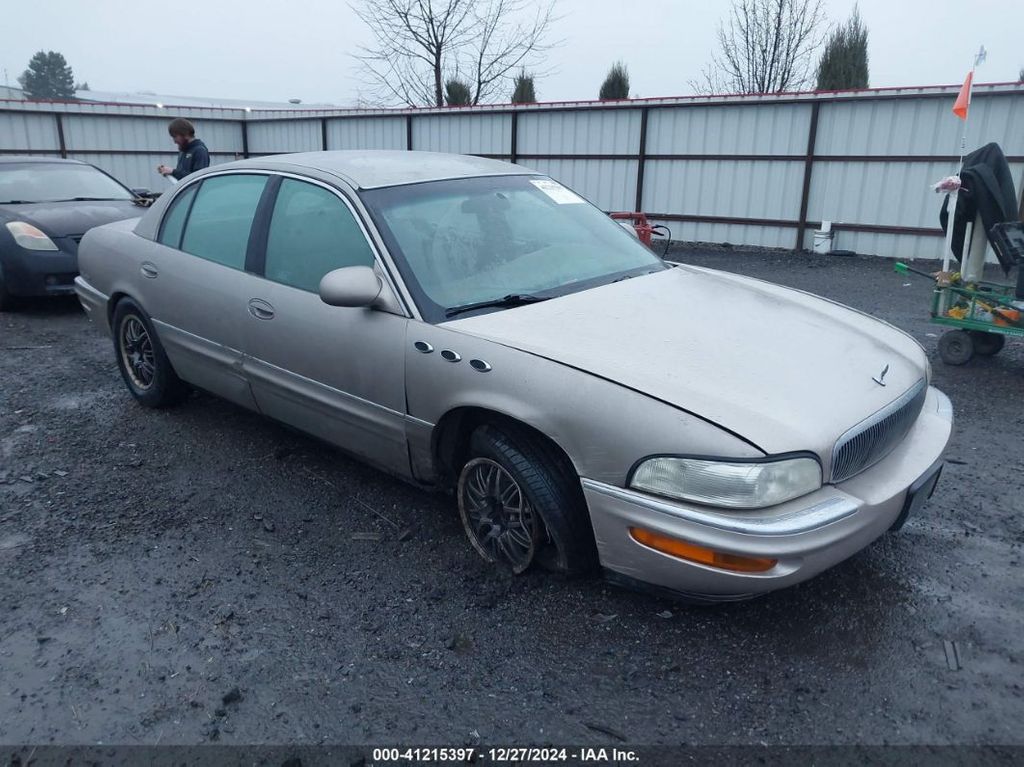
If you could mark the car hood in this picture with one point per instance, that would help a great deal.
(60, 219)
(783, 369)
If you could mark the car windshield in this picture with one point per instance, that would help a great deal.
(509, 240)
(54, 181)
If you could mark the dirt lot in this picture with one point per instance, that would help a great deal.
(202, 574)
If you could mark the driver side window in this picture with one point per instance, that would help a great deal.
(312, 232)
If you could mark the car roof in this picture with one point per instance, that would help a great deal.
(23, 158)
(373, 168)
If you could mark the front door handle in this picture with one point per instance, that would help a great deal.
(148, 270)
(260, 309)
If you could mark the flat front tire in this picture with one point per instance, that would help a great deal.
(521, 503)
(141, 358)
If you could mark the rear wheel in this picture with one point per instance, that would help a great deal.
(521, 504)
(956, 347)
(141, 358)
(987, 344)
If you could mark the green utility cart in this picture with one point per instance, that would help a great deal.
(982, 314)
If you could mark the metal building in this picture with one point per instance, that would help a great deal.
(756, 170)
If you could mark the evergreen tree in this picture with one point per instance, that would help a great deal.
(844, 64)
(48, 77)
(457, 93)
(524, 92)
(616, 84)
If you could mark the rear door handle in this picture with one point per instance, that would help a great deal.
(148, 270)
(260, 309)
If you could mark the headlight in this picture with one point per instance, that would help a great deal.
(30, 237)
(726, 483)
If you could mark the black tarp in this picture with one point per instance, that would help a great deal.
(986, 190)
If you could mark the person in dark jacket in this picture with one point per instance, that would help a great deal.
(192, 152)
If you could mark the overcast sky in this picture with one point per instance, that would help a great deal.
(274, 51)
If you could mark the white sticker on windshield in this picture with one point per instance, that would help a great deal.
(556, 191)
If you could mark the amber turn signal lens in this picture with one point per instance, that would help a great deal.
(694, 553)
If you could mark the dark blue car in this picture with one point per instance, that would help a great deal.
(46, 205)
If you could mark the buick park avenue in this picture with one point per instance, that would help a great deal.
(475, 327)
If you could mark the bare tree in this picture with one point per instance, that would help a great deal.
(765, 46)
(418, 45)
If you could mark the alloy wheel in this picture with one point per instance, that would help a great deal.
(499, 520)
(137, 352)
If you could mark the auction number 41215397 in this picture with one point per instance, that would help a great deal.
(501, 754)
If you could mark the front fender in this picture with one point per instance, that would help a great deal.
(602, 426)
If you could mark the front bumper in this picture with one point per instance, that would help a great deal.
(42, 272)
(806, 535)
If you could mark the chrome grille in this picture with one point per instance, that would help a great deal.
(875, 437)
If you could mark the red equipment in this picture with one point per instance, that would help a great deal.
(643, 227)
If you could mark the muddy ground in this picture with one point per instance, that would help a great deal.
(204, 575)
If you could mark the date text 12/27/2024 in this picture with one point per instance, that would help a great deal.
(499, 754)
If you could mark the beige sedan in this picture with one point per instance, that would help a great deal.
(474, 327)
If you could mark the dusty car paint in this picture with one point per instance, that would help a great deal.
(746, 355)
(684, 361)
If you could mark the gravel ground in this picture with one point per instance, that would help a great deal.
(205, 575)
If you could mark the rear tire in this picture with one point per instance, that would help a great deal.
(987, 344)
(521, 504)
(956, 347)
(141, 358)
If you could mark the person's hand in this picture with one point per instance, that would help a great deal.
(164, 170)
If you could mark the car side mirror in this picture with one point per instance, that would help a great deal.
(143, 197)
(351, 286)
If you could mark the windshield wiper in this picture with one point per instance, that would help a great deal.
(631, 276)
(512, 299)
(93, 199)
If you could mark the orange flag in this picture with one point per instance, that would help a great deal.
(963, 99)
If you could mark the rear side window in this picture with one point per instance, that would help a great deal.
(174, 219)
(311, 233)
(222, 213)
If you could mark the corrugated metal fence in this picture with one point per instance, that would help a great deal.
(757, 170)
